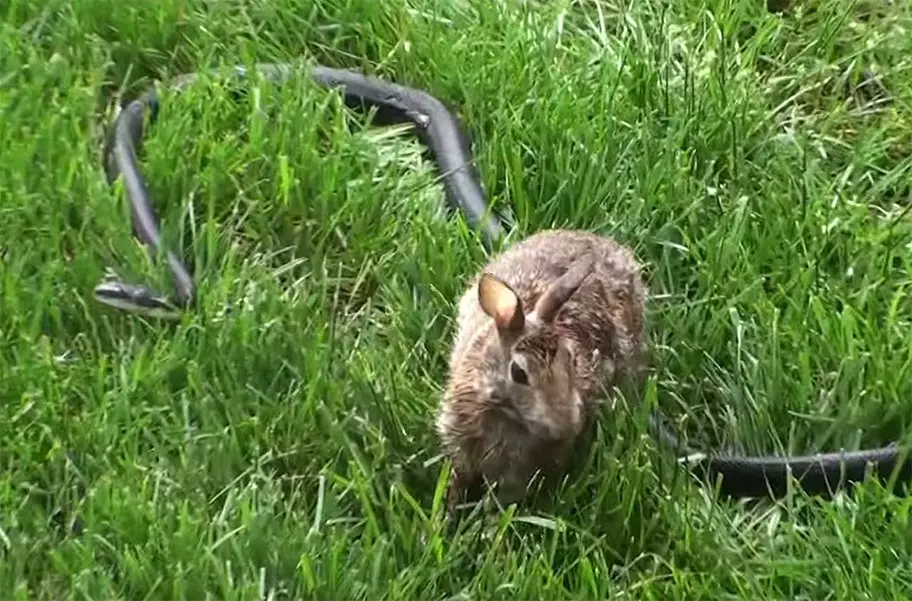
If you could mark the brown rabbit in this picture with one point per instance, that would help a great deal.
(523, 384)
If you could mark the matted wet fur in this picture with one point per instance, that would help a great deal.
(543, 330)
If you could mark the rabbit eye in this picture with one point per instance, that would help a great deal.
(518, 374)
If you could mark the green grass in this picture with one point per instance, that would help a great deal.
(285, 450)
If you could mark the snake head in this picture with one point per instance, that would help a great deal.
(136, 299)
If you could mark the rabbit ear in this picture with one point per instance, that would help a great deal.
(560, 291)
(501, 303)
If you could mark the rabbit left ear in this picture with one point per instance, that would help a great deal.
(550, 303)
(499, 301)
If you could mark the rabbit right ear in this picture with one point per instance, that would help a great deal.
(502, 304)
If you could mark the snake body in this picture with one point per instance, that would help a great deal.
(435, 126)
(443, 133)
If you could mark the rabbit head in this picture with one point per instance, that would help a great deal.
(528, 360)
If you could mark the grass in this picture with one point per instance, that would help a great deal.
(285, 450)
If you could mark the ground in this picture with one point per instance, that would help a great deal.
(285, 449)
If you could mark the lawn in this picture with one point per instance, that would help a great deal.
(285, 449)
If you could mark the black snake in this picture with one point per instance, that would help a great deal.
(443, 133)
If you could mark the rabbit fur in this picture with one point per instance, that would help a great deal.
(542, 331)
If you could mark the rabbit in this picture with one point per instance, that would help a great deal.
(541, 331)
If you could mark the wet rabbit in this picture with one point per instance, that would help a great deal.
(542, 332)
